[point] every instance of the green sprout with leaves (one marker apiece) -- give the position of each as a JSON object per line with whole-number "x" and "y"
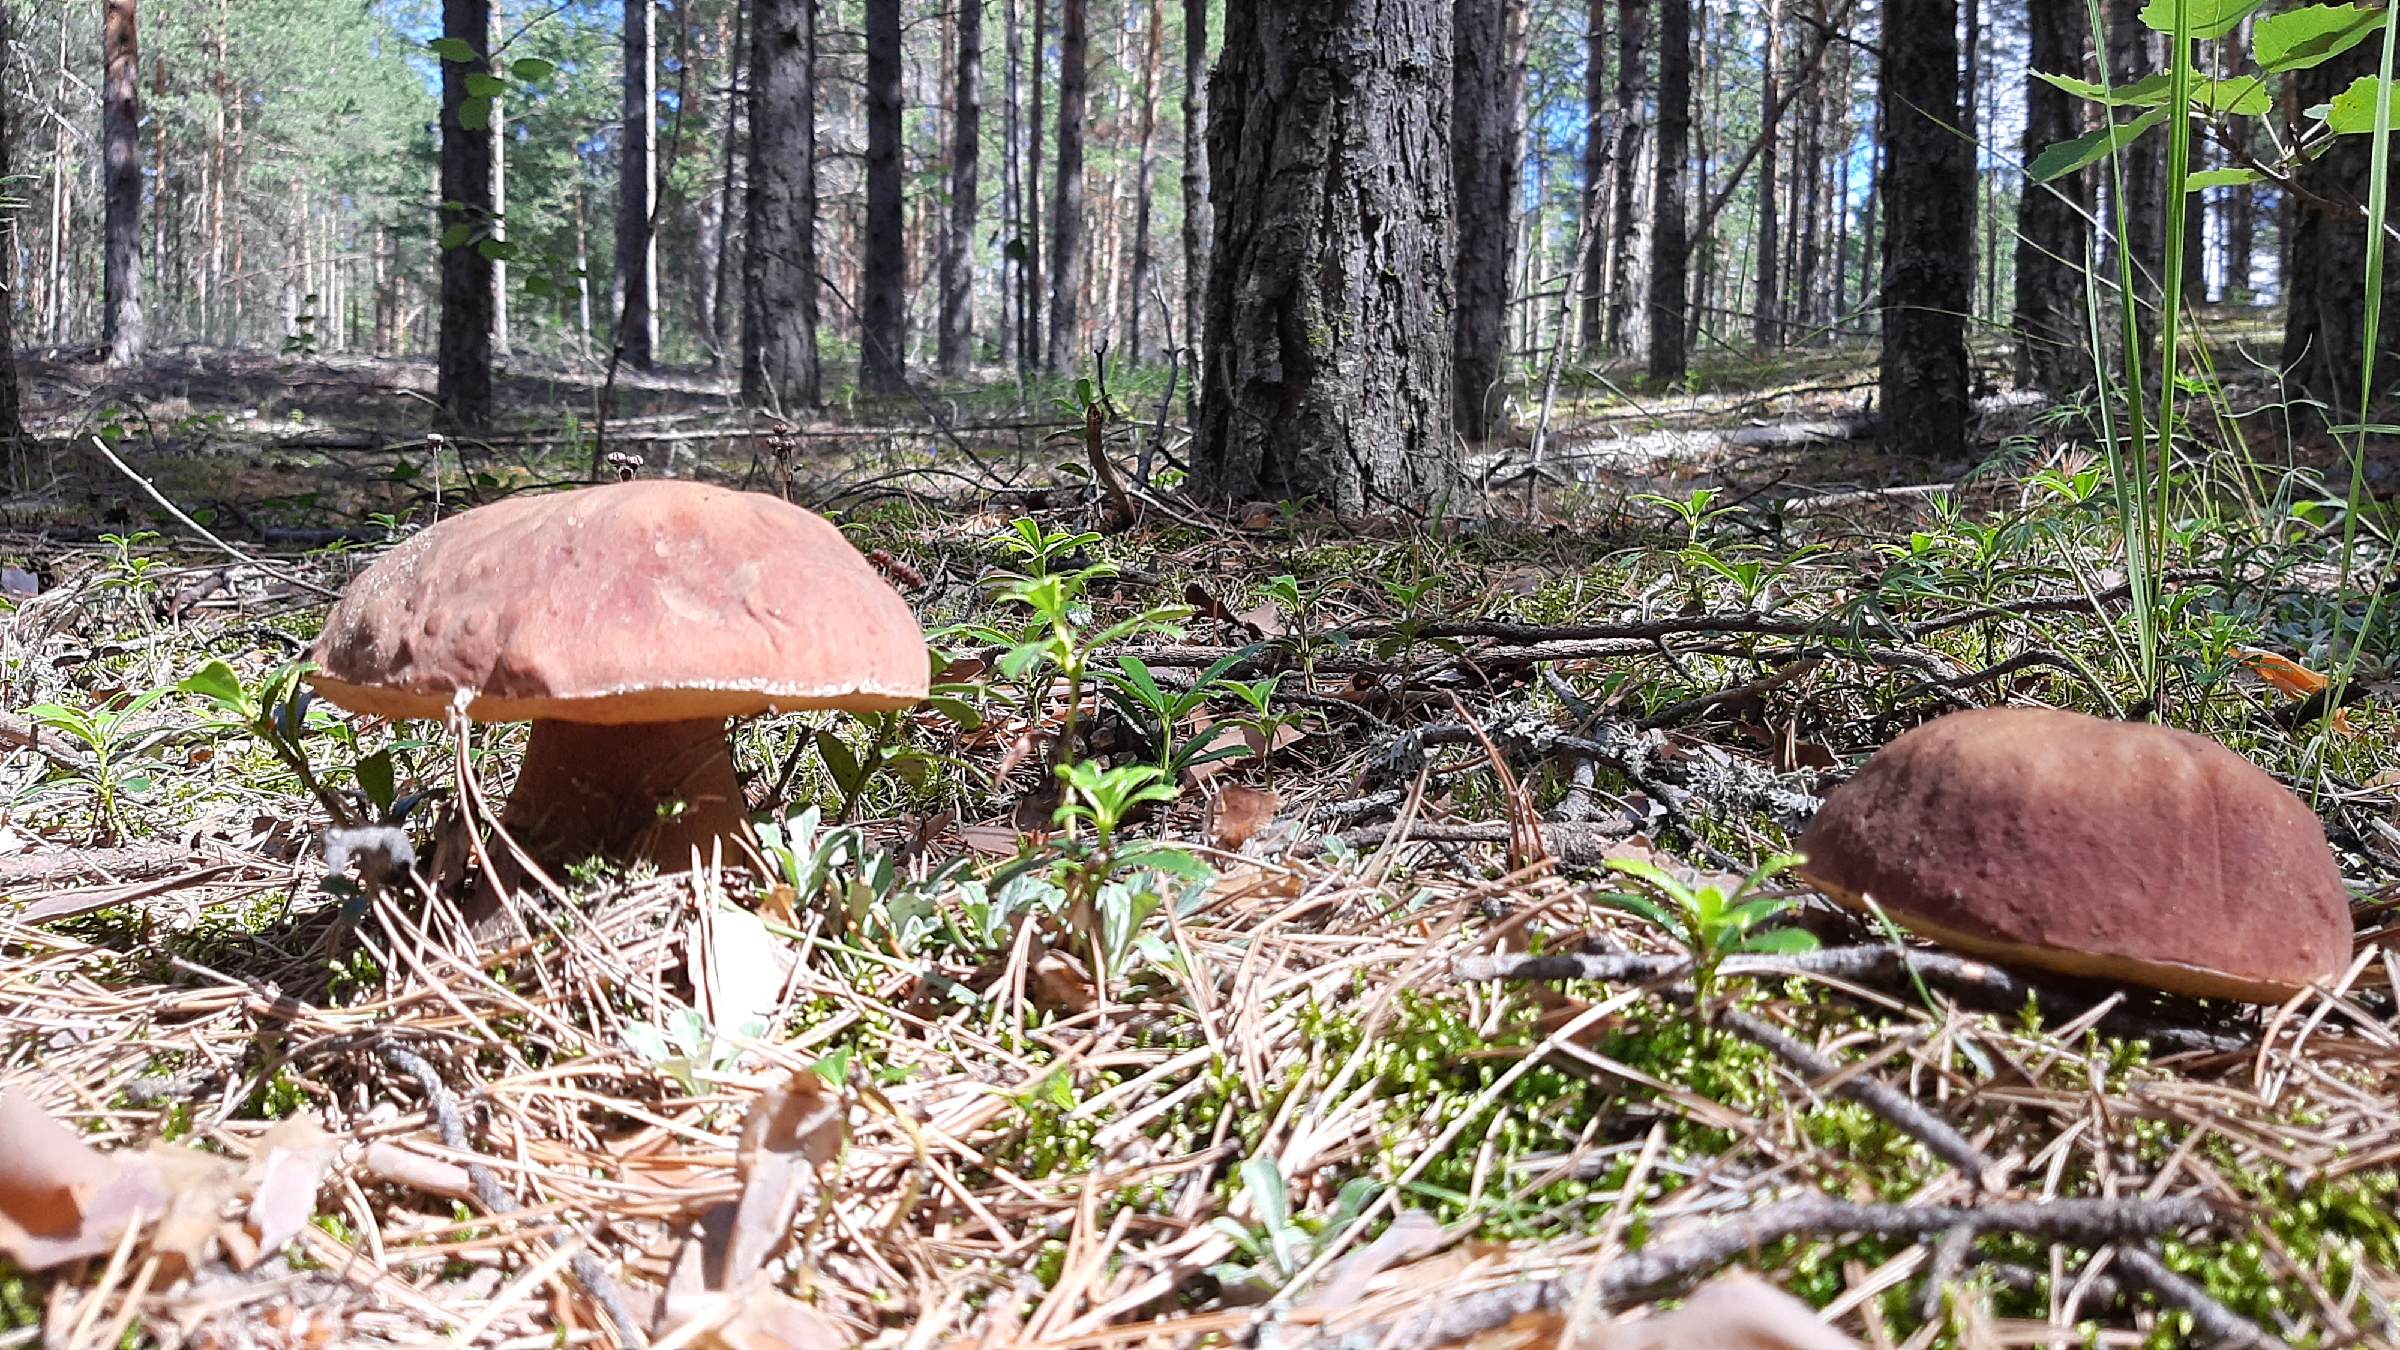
{"x": 112, "y": 735}
{"x": 1709, "y": 923}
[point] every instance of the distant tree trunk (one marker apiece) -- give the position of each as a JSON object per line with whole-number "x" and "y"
{"x": 1592, "y": 330}
{"x": 464, "y": 353}
{"x": 2141, "y": 207}
{"x": 2053, "y": 239}
{"x": 717, "y": 227}
{"x": 1145, "y": 266}
{"x": 779, "y": 265}
{"x": 1483, "y": 149}
{"x": 121, "y": 112}
{"x": 1326, "y": 367}
{"x": 957, "y": 340}
{"x": 499, "y": 122}
{"x": 1929, "y": 189}
{"x": 2235, "y": 207}
{"x": 1195, "y": 194}
{"x": 2325, "y": 327}
{"x": 637, "y": 188}
{"x": 883, "y": 276}
{"x": 1031, "y": 351}
{"x": 12, "y": 424}
{"x": 1633, "y": 23}
{"x": 1012, "y": 193}
{"x": 1768, "y": 318}
{"x": 1670, "y": 250}
{"x": 1066, "y": 204}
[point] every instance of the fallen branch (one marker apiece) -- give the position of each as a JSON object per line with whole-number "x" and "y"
{"x": 1936, "y": 1134}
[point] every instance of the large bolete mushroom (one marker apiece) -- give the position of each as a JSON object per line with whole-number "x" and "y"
{"x": 627, "y": 622}
{"x": 2111, "y": 849}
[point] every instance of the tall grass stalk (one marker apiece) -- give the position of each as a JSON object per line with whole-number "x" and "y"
{"x": 2379, "y": 175}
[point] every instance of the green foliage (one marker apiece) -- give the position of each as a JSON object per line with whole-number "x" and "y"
{"x": 1711, "y": 924}
{"x": 113, "y": 735}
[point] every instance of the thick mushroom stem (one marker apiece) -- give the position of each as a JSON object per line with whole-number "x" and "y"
{"x": 643, "y": 791}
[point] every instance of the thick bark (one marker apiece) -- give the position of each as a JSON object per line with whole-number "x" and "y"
{"x": 464, "y": 354}
{"x": 2325, "y": 328}
{"x": 1195, "y": 193}
{"x": 1145, "y": 265}
{"x": 1483, "y": 148}
{"x": 883, "y": 273}
{"x": 1768, "y": 315}
{"x": 1593, "y": 327}
{"x": 779, "y": 265}
{"x": 2053, "y": 238}
{"x": 1066, "y": 204}
{"x": 1633, "y": 26}
{"x": 956, "y": 344}
{"x": 637, "y": 188}
{"x": 1929, "y": 189}
{"x": 121, "y": 165}
{"x": 1670, "y": 249}
{"x": 1326, "y": 370}
{"x": 12, "y": 424}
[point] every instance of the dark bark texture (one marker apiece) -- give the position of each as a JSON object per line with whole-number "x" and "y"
{"x": 883, "y": 271}
{"x": 2053, "y": 238}
{"x": 1598, "y": 139}
{"x": 779, "y": 265}
{"x": 1327, "y": 364}
{"x": 1066, "y": 204}
{"x": 1670, "y": 247}
{"x": 1195, "y": 193}
{"x": 1929, "y": 193}
{"x": 12, "y": 422}
{"x": 1768, "y": 316}
{"x": 637, "y": 321}
{"x": 464, "y": 359}
{"x": 1633, "y": 28}
{"x": 2325, "y": 328}
{"x": 2142, "y": 212}
{"x": 121, "y": 167}
{"x": 1483, "y": 149}
{"x": 956, "y": 350}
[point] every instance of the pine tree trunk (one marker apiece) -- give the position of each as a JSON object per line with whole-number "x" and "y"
{"x": 1483, "y": 148}
{"x": 2235, "y": 208}
{"x": 1592, "y": 328}
{"x": 2141, "y": 214}
{"x": 12, "y": 424}
{"x": 1066, "y": 204}
{"x": 2325, "y": 327}
{"x": 637, "y": 188}
{"x": 883, "y": 275}
{"x": 1195, "y": 192}
{"x": 731, "y": 194}
{"x": 121, "y": 167}
{"x": 956, "y": 350}
{"x": 1928, "y": 188}
{"x": 1145, "y": 266}
{"x": 464, "y": 354}
{"x": 2053, "y": 238}
{"x": 1670, "y": 249}
{"x": 1633, "y": 23}
{"x": 1768, "y": 318}
{"x": 1326, "y": 370}
{"x": 779, "y": 263}
{"x": 1032, "y": 352}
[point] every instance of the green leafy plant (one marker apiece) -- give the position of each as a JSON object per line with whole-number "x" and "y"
{"x": 1695, "y": 511}
{"x": 1159, "y": 709}
{"x": 113, "y": 736}
{"x": 277, "y": 711}
{"x": 1709, "y": 923}
{"x": 1279, "y": 1245}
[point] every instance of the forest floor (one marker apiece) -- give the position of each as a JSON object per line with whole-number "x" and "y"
{"x": 1265, "y": 1068}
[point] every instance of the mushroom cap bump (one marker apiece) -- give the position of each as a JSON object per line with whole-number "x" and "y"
{"x": 652, "y": 601}
{"x": 2111, "y": 849}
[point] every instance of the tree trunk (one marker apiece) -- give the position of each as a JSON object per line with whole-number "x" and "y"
{"x": 883, "y": 273}
{"x": 464, "y": 360}
{"x": 1633, "y": 23}
{"x": 2325, "y": 327}
{"x": 779, "y": 265}
{"x": 2053, "y": 240}
{"x": 1030, "y": 346}
{"x": 1145, "y": 266}
{"x": 1769, "y": 303}
{"x": 2235, "y": 208}
{"x": 2141, "y": 216}
{"x": 1326, "y": 367}
{"x": 12, "y": 425}
{"x": 499, "y": 124}
{"x": 956, "y": 350}
{"x": 1195, "y": 195}
{"x": 1592, "y": 330}
{"x": 1483, "y": 149}
{"x": 1929, "y": 188}
{"x": 1066, "y": 204}
{"x": 1670, "y": 250}
{"x": 637, "y": 188}
{"x": 121, "y": 163}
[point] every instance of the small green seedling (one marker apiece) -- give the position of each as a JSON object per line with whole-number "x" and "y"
{"x": 1710, "y": 924}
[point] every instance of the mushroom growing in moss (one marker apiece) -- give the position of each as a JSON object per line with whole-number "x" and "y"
{"x": 627, "y": 622}
{"x": 2111, "y": 849}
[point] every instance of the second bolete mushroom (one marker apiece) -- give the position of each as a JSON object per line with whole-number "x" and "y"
{"x": 2113, "y": 849}
{"x": 627, "y": 622}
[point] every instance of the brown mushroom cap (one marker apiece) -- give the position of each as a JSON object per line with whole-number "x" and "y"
{"x": 649, "y": 601}
{"x": 627, "y": 621}
{"x": 2111, "y": 849}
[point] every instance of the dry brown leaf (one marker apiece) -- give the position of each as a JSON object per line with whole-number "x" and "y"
{"x": 61, "y": 1199}
{"x": 2285, "y": 674}
{"x": 285, "y": 1173}
{"x": 1061, "y": 984}
{"x": 1244, "y": 887}
{"x": 1735, "y": 1311}
{"x": 993, "y": 841}
{"x": 391, "y": 1163}
{"x": 1238, "y": 813}
{"x": 201, "y": 1187}
{"x": 1284, "y": 736}
{"x": 776, "y": 1321}
{"x": 1264, "y": 620}
{"x": 790, "y": 1131}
